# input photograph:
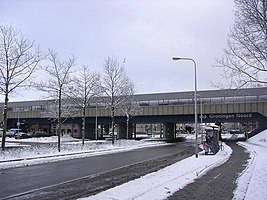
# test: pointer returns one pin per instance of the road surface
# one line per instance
(23, 180)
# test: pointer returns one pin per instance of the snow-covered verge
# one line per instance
(252, 184)
(25, 151)
(163, 183)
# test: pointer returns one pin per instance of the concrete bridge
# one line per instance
(243, 105)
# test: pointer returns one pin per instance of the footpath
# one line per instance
(220, 182)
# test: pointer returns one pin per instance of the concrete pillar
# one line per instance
(169, 130)
(133, 135)
(90, 131)
(122, 131)
(131, 131)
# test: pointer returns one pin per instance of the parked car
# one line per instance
(22, 135)
(40, 134)
(11, 132)
(8, 133)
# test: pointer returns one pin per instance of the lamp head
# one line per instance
(176, 58)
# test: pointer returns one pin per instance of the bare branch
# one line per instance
(57, 85)
(19, 59)
(245, 58)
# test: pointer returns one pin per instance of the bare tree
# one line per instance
(129, 108)
(83, 89)
(114, 85)
(19, 58)
(245, 58)
(59, 78)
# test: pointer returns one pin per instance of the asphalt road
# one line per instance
(25, 179)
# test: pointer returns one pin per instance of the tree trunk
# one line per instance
(127, 127)
(83, 128)
(113, 123)
(4, 122)
(59, 119)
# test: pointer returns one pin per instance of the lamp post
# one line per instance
(196, 128)
(96, 125)
(18, 122)
(201, 119)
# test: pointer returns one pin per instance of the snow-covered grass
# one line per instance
(252, 184)
(26, 152)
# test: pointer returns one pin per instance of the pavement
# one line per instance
(220, 182)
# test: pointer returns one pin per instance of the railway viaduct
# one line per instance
(231, 105)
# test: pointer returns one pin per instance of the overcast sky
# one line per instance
(146, 33)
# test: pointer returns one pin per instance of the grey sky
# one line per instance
(146, 33)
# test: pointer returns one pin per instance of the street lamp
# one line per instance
(96, 125)
(196, 128)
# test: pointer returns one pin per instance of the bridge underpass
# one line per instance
(169, 122)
